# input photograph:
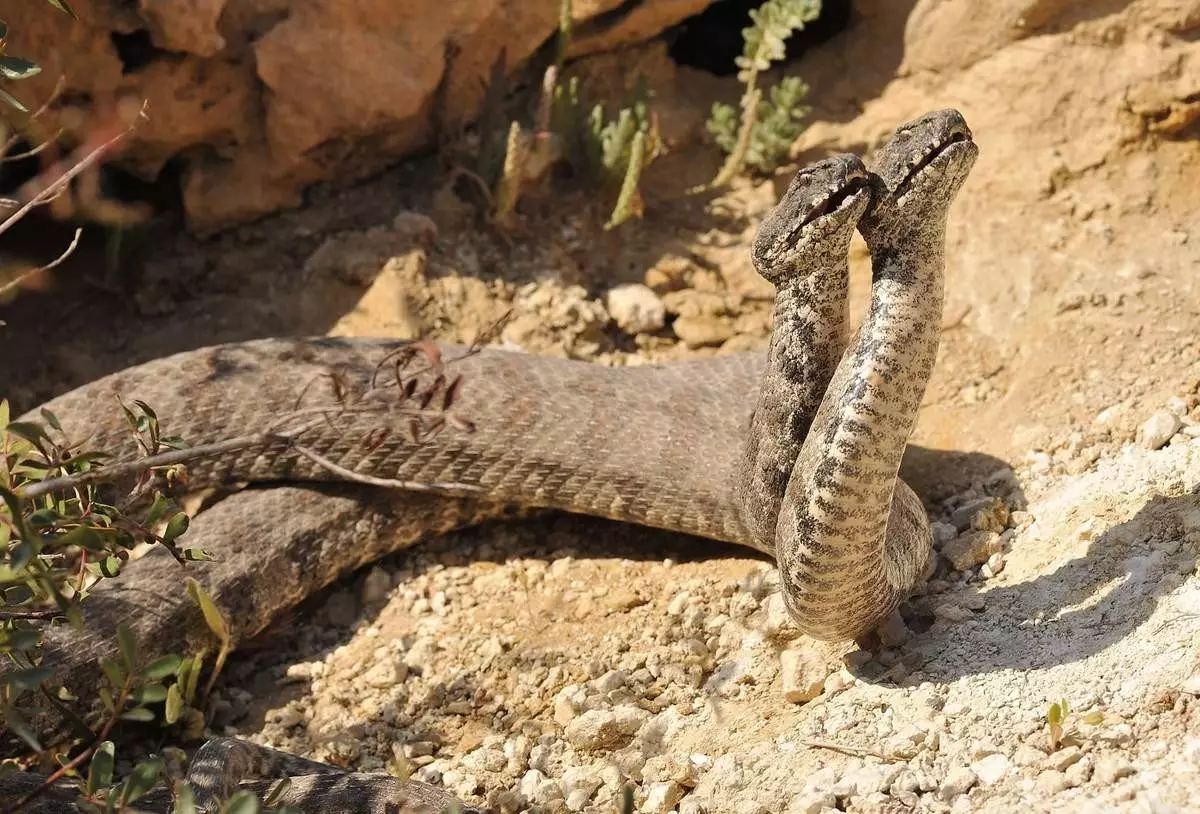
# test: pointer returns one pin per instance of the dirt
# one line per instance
(1067, 387)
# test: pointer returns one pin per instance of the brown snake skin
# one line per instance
(794, 454)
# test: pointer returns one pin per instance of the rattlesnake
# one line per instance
(806, 472)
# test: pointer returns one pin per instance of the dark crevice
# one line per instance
(136, 50)
(712, 39)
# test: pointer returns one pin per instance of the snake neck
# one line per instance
(844, 569)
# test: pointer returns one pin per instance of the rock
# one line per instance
(636, 308)
(1079, 773)
(386, 674)
(539, 789)
(972, 548)
(662, 797)
(984, 514)
(1063, 758)
(779, 623)
(341, 609)
(1159, 429)
(958, 782)
(604, 728)
(943, 533)
(1028, 755)
(990, 769)
(1111, 768)
(699, 331)
(238, 107)
(376, 586)
(803, 675)
(811, 802)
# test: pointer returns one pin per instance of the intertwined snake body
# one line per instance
(681, 446)
(794, 453)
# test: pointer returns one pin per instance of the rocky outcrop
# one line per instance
(259, 98)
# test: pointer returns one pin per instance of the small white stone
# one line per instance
(662, 797)
(1063, 758)
(811, 802)
(1111, 768)
(605, 728)
(959, 781)
(1159, 429)
(636, 308)
(990, 769)
(803, 675)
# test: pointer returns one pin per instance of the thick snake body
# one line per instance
(794, 453)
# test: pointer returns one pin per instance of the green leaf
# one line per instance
(23, 639)
(62, 6)
(17, 595)
(197, 555)
(17, 723)
(276, 791)
(163, 667)
(109, 566)
(20, 555)
(149, 694)
(212, 615)
(100, 770)
(140, 714)
(143, 778)
(113, 671)
(12, 101)
(33, 433)
(28, 679)
(243, 802)
(174, 706)
(51, 419)
(157, 509)
(128, 644)
(185, 800)
(176, 526)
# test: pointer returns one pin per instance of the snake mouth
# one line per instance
(932, 152)
(838, 199)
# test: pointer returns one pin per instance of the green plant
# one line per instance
(609, 153)
(1060, 728)
(56, 547)
(761, 134)
(17, 68)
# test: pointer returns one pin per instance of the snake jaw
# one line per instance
(822, 200)
(839, 196)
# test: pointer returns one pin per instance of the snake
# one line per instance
(794, 452)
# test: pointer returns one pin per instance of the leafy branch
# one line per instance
(761, 134)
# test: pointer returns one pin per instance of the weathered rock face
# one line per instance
(259, 98)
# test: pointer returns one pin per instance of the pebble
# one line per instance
(1111, 768)
(341, 609)
(1079, 773)
(990, 769)
(958, 782)
(1051, 781)
(662, 797)
(803, 675)
(1027, 755)
(698, 331)
(972, 548)
(376, 586)
(605, 728)
(1159, 429)
(1063, 758)
(636, 308)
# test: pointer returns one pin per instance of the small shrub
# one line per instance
(761, 135)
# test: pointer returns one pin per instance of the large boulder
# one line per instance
(259, 98)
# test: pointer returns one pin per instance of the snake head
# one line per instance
(919, 172)
(816, 215)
